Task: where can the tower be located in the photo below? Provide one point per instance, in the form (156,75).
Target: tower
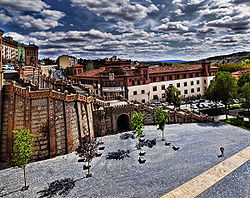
(31,55)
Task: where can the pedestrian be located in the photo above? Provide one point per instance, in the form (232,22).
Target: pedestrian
(222,151)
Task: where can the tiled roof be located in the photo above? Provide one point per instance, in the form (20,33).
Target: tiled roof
(174,68)
(241,72)
(93,72)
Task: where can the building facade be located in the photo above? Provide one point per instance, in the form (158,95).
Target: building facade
(65,61)
(143,83)
(13,52)
(9,50)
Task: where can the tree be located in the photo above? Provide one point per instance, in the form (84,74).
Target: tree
(138,124)
(243,79)
(173,96)
(245,93)
(89,66)
(87,150)
(22,150)
(160,118)
(222,88)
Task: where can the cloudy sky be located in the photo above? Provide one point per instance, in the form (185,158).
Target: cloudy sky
(135,29)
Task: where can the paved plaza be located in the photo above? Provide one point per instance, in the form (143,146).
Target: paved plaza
(165,169)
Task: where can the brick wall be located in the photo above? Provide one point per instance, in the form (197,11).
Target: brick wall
(56,120)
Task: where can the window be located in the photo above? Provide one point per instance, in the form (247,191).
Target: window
(192,82)
(198,82)
(154,79)
(143,101)
(192,90)
(185,84)
(154,88)
(198,89)
(155,97)
(142,91)
(162,78)
(163,87)
(205,81)
(178,84)
(184,76)
(185,91)
(133,82)
(135,92)
(177,76)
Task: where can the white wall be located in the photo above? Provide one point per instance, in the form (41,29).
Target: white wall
(149,88)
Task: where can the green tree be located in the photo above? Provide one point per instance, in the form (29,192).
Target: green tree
(160,119)
(137,124)
(245,94)
(173,96)
(222,88)
(243,79)
(89,66)
(22,150)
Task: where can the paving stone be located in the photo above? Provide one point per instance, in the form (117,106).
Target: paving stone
(163,171)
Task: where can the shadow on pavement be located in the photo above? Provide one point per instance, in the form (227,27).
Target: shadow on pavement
(9,193)
(212,124)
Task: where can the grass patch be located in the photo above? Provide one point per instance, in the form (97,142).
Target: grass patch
(239,123)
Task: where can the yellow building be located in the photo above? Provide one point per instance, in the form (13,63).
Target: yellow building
(65,61)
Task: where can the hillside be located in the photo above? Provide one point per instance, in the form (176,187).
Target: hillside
(235,58)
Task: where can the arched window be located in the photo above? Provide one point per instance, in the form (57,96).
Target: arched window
(154,79)
(162,78)
(143,81)
(133,82)
(138,82)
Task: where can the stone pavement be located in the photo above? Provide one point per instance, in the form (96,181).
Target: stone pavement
(164,170)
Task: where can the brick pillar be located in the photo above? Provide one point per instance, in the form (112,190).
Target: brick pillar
(69,135)
(51,124)
(10,125)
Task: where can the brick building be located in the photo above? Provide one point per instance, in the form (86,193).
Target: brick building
(31,55)
(143,83)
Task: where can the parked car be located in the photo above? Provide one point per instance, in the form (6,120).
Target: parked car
(157,104)
(205,105)
(5,67)
(193,106)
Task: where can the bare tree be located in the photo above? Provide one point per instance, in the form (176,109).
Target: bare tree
(87,150)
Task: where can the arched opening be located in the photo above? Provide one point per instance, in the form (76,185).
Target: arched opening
(138,82)
(133,82)
(123,123)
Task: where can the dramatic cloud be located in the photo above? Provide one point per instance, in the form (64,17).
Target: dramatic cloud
(49,20)
(138,29)
(173,26)
(239,22)
(41,18)
(121,9)
(26,5)
(4,18)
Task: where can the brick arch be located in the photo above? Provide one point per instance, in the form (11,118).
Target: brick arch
(123,122)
